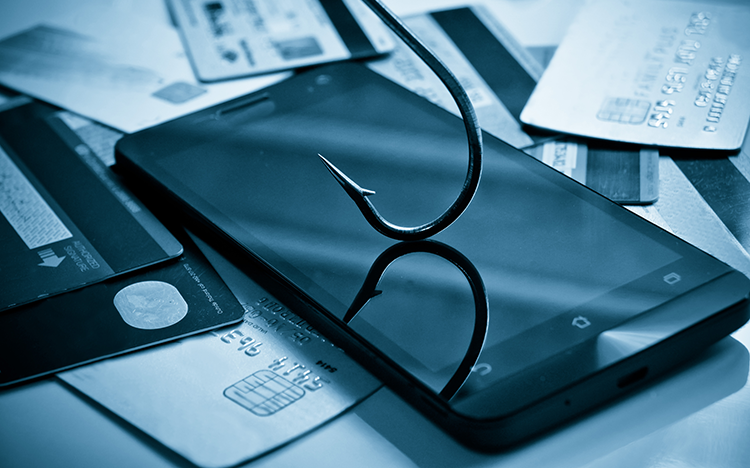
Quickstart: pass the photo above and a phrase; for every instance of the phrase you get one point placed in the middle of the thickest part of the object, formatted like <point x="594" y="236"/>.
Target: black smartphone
<point x="541" y="302"/>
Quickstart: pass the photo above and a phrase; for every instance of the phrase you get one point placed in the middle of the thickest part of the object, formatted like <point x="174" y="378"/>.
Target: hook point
<point x="344" y="180"/>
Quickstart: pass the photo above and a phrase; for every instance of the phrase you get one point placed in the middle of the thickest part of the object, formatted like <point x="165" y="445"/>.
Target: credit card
<point x="134" y="63"/>
<point x="499" y="76"/>
<point x="626" y="174"/>
<point x="234" y="394"/>
<point x="67" y="221"/>
<point x="230" y="39"/>
<point x="111" y="317"/>
<point x="652" y="72"/>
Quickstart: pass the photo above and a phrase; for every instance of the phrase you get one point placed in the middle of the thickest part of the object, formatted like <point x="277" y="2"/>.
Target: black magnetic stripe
<point x="725" y="189"/>
<point x="354" y="38"/>
<point x="615" y="173"/>
<point x="93" y="209"/>
<point x="497" y="66"/>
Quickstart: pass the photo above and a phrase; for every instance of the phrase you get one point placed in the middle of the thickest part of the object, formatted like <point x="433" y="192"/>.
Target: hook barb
<point x="473" y="135"/>
<point x="351" y="187"/>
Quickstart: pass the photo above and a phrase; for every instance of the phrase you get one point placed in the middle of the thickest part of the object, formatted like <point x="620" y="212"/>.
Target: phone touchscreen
<point x="560" y="264"/>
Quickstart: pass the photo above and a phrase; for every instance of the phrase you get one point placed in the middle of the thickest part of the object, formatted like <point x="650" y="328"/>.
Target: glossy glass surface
<point x="699" y="416"/>
<point x="552" y="255"/>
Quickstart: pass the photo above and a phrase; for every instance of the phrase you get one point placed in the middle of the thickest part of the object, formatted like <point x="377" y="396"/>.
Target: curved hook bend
<point x="473" y="134"/>
<point x="369" y="290"/>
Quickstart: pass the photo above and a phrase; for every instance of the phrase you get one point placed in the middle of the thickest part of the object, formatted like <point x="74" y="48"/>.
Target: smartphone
<point x="541" y="302"/>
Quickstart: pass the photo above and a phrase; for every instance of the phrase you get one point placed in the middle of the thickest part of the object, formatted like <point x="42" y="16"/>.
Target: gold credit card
<point x="665" y="73"/>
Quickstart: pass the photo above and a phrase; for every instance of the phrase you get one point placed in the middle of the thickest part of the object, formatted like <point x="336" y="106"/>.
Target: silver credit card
<point x="232" y="395"/>
<point x="666" y="73"/>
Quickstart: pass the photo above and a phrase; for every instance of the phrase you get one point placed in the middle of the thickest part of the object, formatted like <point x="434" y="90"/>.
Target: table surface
<point x="698" y="415"/>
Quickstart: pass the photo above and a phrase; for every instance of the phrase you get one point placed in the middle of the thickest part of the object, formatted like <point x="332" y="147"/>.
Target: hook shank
<point x="473" y="134"/>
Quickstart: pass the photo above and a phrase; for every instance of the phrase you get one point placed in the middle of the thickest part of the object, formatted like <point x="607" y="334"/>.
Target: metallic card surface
<point x="665" y="73"/>
<point x="234" y="394"/>
<point x="683" y="211"/>
<point x="724" y="185"/>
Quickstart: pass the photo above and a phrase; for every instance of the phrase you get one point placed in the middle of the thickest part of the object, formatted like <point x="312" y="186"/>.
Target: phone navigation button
<point x="581" y="322"/>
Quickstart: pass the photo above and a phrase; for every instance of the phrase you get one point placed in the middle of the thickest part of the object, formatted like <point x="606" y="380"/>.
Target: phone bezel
<point x="488" y="426"/>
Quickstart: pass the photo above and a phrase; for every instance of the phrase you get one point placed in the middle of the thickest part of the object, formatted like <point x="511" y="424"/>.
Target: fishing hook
<point x="473" y="132"/>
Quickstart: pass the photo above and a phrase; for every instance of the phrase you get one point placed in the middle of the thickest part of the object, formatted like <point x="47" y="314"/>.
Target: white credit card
<point x="234" y="394"/>
<point x="136" y="65"/>
<point x="652" y="72"/>
<point x="235" y="38"/>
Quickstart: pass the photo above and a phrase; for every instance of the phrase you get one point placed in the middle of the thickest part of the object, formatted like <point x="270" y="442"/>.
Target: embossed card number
<point x="269" y="379"/>
<point x="664" y="73"/>
<point x="285" y="379"/>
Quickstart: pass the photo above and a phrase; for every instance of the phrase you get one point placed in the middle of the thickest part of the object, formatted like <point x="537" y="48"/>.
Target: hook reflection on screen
<point x="479" y="293"/>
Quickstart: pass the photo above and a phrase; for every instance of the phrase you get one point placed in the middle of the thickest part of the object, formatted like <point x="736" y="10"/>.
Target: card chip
<point x="264" y="393"/>
<point x="179" y="92"/>
<point x="295" y="49"/>
<point x="624" y="110"/>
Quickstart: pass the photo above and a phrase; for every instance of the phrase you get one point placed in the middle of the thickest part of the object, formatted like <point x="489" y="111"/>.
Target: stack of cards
<point x="135" y="65"/>
<point x="67" y="221"/>
<point x="88" y="271"/>
<point x="233" y="395"/>
<point x="665" y="73"/>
